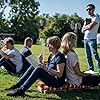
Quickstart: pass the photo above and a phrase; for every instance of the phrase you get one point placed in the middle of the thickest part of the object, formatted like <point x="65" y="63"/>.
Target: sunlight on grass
<point x="7" y="80"/>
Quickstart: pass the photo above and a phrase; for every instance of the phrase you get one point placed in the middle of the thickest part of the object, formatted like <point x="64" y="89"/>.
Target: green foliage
<point x="55" y="25"/>
<point x="59" y="25"/>
<point x="22" y="18"/>
<point x="7" y="80"/>
<point x="24" y="21"/>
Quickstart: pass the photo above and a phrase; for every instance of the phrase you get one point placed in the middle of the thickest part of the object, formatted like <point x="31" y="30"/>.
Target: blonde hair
<point x="54" y="41"/>
<point x="68" y="42"/>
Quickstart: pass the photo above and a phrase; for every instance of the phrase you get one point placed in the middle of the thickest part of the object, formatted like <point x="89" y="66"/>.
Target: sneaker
<point x="13" y="87"/>
<point x="16" y="92"/>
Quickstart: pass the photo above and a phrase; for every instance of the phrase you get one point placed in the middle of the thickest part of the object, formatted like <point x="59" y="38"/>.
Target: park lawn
<point x="7" y="80"/>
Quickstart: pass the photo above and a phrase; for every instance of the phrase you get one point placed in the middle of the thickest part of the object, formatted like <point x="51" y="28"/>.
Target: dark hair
<point x="93" y="6"/>
<point x="27" y="39"/>
<point x="9" y="40"/>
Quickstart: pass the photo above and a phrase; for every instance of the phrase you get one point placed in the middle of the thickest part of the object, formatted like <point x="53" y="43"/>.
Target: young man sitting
<point x="11" y="59"/>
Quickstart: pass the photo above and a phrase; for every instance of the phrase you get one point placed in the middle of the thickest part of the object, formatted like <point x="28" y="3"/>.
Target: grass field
<point x="7" y="80"/>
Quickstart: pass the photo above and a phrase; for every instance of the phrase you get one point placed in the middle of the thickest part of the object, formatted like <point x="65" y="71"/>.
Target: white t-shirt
<point x="72" y="77"/>
<point x="92" y="34"/>
<point x="17" y="60"/>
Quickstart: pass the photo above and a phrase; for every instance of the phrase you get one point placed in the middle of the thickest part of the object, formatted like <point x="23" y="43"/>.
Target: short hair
<point x="54" y="41"/>
<point x="9" y="40"/>
<point x="28" y="39"/>
<point x="93" y="6"/>
<point x="68" y="41"/>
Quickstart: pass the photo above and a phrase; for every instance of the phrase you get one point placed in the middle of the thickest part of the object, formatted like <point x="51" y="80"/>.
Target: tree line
<point x="24" y="20"/>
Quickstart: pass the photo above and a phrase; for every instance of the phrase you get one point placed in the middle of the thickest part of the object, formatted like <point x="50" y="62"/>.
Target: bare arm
<point x="89" y="26"/>
<point x="58" y="72"/>
<point x="78" y="72"/>
<point x="8" y="56"/>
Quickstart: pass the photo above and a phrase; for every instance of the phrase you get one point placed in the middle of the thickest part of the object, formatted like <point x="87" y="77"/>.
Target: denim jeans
<point x="8" y="65"/>
<point x="25" y="76"/>
<point x="91" y="49"/>
<point x="93" y="80"/>
<point x="31" y="75"/>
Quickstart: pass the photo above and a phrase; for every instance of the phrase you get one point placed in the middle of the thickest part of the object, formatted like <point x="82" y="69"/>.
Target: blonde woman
<point x="73" y="73"/>
<point x="52" y="75"/>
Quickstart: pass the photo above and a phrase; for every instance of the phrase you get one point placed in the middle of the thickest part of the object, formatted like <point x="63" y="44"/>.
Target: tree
<point x="55" y="25"/>
<point x="59" y="25"/>
<point x="22" y="17"/>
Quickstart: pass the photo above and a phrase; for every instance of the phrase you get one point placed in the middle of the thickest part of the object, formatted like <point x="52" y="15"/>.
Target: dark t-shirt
<point x="57" y="59"/>
<point x="25" y="52"/>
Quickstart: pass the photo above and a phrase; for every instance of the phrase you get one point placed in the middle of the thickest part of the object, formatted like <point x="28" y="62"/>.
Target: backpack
<point x="99" y="23"/>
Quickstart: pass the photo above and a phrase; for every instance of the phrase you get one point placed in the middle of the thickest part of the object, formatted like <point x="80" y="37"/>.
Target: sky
<point x="68" y="7"/>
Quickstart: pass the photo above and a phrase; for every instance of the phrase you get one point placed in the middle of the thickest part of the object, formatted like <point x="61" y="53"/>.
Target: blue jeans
<point x="93" y="80"/>
<point x="31" y="75"/>
<point x="91" y="49"/>
<point x="8" y="65"/>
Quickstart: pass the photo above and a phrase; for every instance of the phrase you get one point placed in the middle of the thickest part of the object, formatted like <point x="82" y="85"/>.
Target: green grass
<point x="7" y="80"/>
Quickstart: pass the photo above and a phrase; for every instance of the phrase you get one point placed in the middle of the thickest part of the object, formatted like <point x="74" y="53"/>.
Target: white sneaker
<point x="91" y="72"/>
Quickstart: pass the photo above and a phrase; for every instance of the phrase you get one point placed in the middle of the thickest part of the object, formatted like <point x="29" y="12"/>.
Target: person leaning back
<point x="11" y="58"/>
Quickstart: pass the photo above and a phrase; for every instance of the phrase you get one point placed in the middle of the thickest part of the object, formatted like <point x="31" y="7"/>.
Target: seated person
<point x="11" y="58"/>
<point x="25" y="51"/>
<point x="53" y="74"/>
<point x="73" y="73"/>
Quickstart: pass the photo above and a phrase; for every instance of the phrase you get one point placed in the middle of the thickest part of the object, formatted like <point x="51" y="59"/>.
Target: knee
<point x="39" y="69"/>
<point x="3" y="61"/>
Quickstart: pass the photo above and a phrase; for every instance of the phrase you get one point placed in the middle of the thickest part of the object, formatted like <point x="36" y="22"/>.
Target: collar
<point x="54" y="55"/>
<point x="27" y="47"/>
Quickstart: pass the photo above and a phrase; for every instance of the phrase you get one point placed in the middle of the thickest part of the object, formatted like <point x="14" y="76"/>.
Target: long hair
<point x="68" y="42"/>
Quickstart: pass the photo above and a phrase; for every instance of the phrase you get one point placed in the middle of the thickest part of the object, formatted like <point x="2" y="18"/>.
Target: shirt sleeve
<point x="60" y="59"/>
<point x="95" y="19"/>
<point x="74" y="59"/>
<point x="25" y="52"/>
<point x="13" y="52"/>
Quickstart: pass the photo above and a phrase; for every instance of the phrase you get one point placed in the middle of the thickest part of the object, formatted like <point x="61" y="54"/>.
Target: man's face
<point x="90" y="10"/>
<point x="7" y="45"/>
<point x="29" y="44"/>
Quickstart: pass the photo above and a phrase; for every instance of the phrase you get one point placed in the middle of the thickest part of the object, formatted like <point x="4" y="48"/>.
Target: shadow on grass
<point x="47" y="98"/>
<point x="70" y="95"/>
<point x="80" y="95"/>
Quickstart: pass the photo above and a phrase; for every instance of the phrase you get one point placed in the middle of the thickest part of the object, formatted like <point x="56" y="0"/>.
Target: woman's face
<point x="50" y="47"/>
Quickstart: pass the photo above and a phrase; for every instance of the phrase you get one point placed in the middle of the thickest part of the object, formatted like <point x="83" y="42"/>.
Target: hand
<point x="43" y="67"/>
<point x="40" y="57"/>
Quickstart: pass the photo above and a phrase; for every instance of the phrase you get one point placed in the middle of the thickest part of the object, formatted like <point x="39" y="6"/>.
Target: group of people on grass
<point x="13" y="60"/>
<point x="62" y="63"/>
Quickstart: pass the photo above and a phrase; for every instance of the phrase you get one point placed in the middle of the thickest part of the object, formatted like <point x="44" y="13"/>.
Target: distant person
<point x="53" y="74"/>
<point x="11" y="58"/>
<point x="25" y="51"/>
<point x="90" y="29"/>
<point x="73" y="73"/>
